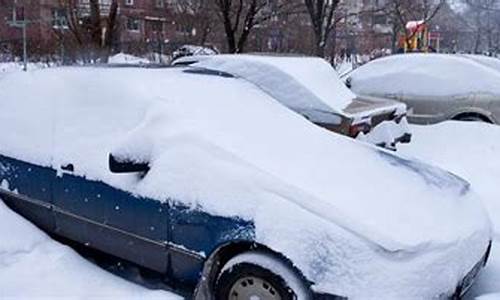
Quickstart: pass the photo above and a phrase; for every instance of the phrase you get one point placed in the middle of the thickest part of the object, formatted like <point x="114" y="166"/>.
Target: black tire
<point x="245" y="277"/>
<point x="472" y="118"/>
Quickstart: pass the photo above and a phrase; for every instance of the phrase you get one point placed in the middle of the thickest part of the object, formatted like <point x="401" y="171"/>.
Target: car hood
<point x="417" y="216"/>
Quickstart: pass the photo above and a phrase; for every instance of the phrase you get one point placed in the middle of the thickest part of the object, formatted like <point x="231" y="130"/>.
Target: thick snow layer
<point x="223" y="145"/>
<point x="489" y="297"/>
<point x="491" y="62"/>
<point x="425" y="75"/>
<point x="488" y="283"/>
<point x="384" y="133"/>
<point x="472" y="151"/>
<point x="32" y="265"/>
<point x="123" y="58"/>
<point x="314" y="82"/>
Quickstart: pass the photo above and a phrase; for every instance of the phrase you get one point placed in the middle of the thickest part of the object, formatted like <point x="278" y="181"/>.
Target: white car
<point x="210" y="181"/>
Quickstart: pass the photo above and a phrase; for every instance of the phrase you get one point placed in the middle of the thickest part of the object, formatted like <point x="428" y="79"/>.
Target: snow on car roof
<point x="425" y="75"/>
<point x="301" y="83"/>
<point x="491" y="62"/>
<point x="223" y="145"/>
<point x="123" y="58"/>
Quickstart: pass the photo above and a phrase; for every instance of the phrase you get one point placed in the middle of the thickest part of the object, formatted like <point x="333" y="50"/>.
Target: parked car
<point x="207" y="179"/>
<point x="311" y="87"/>
<point x="435" y="87"/>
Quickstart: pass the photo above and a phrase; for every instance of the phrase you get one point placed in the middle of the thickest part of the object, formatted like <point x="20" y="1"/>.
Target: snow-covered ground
<point x="471" y="150"/>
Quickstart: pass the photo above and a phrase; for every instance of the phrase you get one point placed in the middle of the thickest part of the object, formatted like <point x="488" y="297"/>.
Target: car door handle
<point x="68" y="168"/>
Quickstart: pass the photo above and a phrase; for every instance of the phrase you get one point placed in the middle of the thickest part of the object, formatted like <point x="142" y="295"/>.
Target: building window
<point x="157" y="26"/>
<point x="133" y="24"/>
<point x="59" y="18"/>
<point x="18" y="14"/>
<point x="160" y="3"/>
<point x="380" y="20"/>
<point x="129" y="2"/>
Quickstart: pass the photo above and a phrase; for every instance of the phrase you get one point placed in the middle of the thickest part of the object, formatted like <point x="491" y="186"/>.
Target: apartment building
<point x="138" y="22"/>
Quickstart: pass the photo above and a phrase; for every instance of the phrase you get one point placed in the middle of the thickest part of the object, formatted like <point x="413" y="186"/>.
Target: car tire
<point x="254" y="275"/>
<point x="472" y="118"/>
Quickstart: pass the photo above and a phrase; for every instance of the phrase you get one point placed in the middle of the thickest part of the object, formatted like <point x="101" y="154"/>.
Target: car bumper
<point x="462" y="288"/>
<point x="469" y="279"/>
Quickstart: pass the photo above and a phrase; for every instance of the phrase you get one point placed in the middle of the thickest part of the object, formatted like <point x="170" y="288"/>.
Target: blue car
<point x="203" y="177"/>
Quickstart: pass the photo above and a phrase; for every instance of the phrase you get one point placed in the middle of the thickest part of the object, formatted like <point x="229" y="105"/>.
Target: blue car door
<point x="113" y="221"/>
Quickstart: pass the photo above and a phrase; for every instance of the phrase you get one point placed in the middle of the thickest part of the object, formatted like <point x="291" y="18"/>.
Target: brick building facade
<point x="141" y="24"/>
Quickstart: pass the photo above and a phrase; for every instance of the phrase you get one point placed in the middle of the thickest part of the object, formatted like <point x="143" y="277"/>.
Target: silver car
<point x="435" y="87"/>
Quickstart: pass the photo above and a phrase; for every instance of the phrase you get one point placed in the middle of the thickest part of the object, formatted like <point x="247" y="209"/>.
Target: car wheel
<point x="258" y="276"/>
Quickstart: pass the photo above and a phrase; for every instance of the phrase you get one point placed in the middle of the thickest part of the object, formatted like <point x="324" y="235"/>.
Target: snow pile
<point x="489" y="297"/>
<point x="223" y="145"/>
<point x="472" y="151"/>
<point x="32" y="265"/>
<point x="123" y="58"/>
<point x="10" y="67"/>
<point x="425" y="75"/>
<point x="384" y="133"/>
<point x="314" y="82"/>
<point x="13" y="67"/>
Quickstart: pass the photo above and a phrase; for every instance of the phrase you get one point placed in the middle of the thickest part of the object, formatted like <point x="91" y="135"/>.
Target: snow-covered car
<point x="311" y="87"/>
<point x="210" y="181"/>
<point x="435" y="87"/>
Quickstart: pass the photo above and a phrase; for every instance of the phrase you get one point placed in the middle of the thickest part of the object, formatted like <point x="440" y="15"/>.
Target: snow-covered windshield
<point x="301" y="83"/>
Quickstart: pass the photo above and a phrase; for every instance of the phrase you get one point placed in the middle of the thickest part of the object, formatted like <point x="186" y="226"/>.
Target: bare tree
<point x="322" y="14"/>
<point x="240" y="17"/>
<point x="483" y="17"/>
<point x="198" y="17"/>
<point x="92" y="29"/>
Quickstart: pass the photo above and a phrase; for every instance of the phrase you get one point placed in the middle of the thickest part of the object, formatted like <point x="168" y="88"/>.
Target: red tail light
<point x="356" y="129"/>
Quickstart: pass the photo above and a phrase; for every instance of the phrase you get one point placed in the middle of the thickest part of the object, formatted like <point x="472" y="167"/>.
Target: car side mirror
<point x="119" y="165"/>
<point x="348" y="82"/>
